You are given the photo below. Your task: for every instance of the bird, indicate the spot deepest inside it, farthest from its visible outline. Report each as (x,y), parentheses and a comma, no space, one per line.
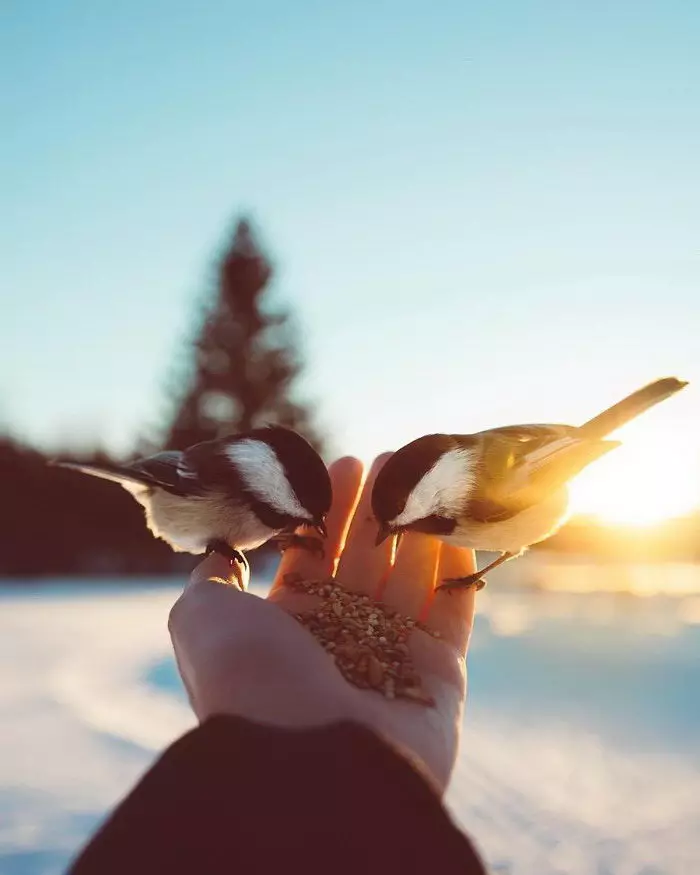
(230,494)
(502,489)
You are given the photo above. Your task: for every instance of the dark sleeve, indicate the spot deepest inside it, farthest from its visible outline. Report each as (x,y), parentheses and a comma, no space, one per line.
(236,797)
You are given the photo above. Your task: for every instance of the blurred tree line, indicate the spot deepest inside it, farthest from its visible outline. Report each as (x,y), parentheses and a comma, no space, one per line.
(238,373)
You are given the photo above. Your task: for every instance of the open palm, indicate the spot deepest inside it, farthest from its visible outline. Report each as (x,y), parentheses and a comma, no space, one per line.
(241,654)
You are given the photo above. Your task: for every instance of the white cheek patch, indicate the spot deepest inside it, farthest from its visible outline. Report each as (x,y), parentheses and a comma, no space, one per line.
(264,476)
(443,488)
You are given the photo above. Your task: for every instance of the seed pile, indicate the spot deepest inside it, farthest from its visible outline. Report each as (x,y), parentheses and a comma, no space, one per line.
(368,640)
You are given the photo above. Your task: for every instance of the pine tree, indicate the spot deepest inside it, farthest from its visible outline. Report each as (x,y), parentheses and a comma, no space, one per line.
(245,358)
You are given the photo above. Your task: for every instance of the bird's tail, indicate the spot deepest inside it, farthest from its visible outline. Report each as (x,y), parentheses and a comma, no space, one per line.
(630,407)
(107,471)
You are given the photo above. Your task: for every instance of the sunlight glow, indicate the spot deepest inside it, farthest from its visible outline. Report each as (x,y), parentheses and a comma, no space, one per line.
(654,476)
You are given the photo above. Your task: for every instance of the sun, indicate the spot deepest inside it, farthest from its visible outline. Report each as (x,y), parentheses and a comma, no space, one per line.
(654,476)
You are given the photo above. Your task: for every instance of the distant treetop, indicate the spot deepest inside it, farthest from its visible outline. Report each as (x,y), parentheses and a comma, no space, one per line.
(245,358)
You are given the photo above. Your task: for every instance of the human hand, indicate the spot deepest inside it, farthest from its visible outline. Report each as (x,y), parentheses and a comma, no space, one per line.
(239,654)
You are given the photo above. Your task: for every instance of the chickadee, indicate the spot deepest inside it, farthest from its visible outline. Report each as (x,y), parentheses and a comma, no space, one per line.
(230,494)
(502,489)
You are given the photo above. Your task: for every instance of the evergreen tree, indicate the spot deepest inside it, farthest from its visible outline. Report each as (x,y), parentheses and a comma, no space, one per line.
(245,358)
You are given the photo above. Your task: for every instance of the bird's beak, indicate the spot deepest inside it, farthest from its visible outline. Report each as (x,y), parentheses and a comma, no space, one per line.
(320,527)
(384,532)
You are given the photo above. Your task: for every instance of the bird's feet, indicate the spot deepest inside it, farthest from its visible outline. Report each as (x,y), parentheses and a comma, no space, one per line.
(301,542)
(474,581)
(228,552)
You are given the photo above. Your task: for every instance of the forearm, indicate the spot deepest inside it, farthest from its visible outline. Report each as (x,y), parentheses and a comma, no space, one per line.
(235,794)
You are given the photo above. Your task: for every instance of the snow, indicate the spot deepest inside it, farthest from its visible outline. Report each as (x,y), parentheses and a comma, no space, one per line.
(580,756)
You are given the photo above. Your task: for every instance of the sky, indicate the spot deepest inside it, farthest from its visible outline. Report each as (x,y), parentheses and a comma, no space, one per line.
(480,213)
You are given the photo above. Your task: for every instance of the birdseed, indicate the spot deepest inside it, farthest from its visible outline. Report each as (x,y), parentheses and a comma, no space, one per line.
(366,639)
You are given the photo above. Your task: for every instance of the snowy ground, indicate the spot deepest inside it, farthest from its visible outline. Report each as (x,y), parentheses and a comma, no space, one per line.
(581,751)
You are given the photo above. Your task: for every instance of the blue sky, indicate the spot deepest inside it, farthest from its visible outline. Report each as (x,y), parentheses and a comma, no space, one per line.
(481,213)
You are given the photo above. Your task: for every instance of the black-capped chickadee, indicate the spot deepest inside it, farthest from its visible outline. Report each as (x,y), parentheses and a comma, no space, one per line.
(502,489)
(230,494)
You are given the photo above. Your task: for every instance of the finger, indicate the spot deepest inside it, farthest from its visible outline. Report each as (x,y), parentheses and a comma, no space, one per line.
(363,566)
(412,579)
(451,612)
(211,590)
(346,479)
(218,567)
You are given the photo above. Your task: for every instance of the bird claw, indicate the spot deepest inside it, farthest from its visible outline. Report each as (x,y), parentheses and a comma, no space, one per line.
(301,542)
(228,552)
(471,581)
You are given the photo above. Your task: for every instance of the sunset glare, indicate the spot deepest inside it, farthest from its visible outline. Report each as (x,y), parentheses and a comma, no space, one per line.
(651,478)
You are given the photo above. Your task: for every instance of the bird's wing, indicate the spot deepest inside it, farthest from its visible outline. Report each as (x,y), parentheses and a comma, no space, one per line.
(523,464)
(169,470)
(552,464)
(164,470)
(506,448)
(209,467)
(530,431)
